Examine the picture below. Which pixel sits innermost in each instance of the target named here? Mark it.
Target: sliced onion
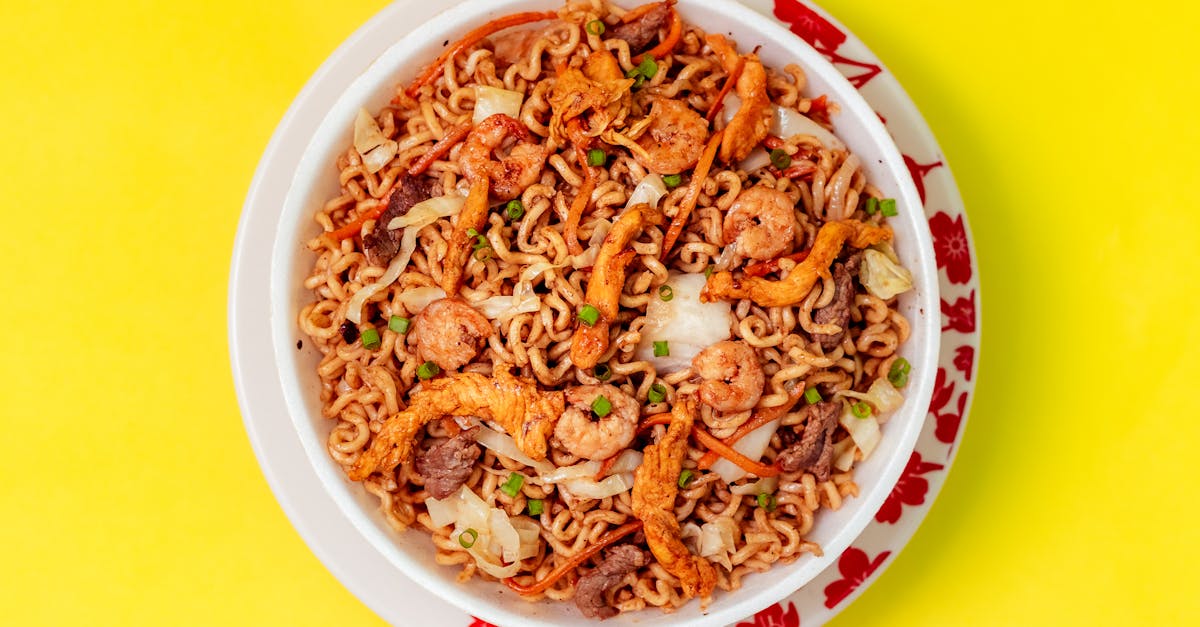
(650, 190)
(752, 445)
(523, 299)
(418, 298)
(370, 142)
(442, 511)
(568, 473)
(787, 123)
(587, 258)
(864, 431)
(627, 462)
(758, 158)
(882, 277)
(503, 444)
(492, 100)
(592, 489)
(881, 395)
(529, 531)
(428, 211)
(717, 540)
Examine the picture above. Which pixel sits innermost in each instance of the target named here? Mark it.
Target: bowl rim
(469, 13)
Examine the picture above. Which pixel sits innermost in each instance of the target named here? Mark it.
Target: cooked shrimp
(449, 332)
(733, 378)
(583, 435)
(517, 405)
(761, 223)
(752, 120)
(796, 285)
(510, 175)
(673, 140)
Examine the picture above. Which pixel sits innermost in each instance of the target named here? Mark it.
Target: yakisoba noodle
(606, 309)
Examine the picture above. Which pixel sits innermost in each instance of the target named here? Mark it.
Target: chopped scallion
(872, 205)
(535, 507)
(399, 324)
(427, 370)
(657, 393)
(467, 538)
(887, 207)
(514, 210)
(596, 156)
(766, 501)
(602, 372)
(708, 272)
(812, 396)
(780, 158)
(898, 374)
(595, 27)
(666, 293)
(601, 406)
(672, 180)
(513, 485)
(861, 410)
(685, 478)
(589, 315)
(662, 349)
(370, 339)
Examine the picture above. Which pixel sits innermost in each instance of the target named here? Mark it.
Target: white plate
(331, 536)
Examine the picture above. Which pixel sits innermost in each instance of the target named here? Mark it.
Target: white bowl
(315, 181)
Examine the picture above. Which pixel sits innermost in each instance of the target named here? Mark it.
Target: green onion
(513, 485)
(812, 396)
(514, 210)
(427, 370)
(589, 315)
(766, 501)
(672, 180)
(467, 538)
(601, 406)
(399, 324)
(709, 271)
(887, 207)
(535, 507)
(898, 375)
(661, 349)
(685, 478)
(780, 158)
(657, 393)
(597, 156)
(872, 205)
(602, 372)
(370, 339)
(666, 293)
(648, 68)
(472, 233)
(861, 410)
(594, 27)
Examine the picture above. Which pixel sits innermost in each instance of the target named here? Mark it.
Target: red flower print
(822, 35)
(950, 244)
(775, 616)
(918, 172)
(960, 316)
(947, 421)
(855, 567)
(909, 490)
(479, 622)
(964, 357)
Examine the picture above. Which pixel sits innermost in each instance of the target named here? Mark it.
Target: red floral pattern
(909, 490)
(964, 358)
(951, 246)
(775, 616)
(948, 421)
(855, 567)
(919, 172)
(960, 315)
(479, 622)
(826, 38)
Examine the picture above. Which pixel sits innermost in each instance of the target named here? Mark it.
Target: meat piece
(838, 310)
(517, 405)
(814, 451)
(589, 591)
(446, 466)
(655, 485)
(641, 32)
(381, 244)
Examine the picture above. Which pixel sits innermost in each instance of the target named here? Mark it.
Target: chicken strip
(655, 485)
(516, 404)
(796, 285)
(750, 123)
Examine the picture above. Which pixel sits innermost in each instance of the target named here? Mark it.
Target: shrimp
(672, 140)
(448, 332)
(750, 123)
(761, 223)
(733, 378)
(597, 439)
(527, 413)
(512, 174)
(796, 285)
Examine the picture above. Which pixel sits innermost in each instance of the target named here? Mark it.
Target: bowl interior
(316, 181)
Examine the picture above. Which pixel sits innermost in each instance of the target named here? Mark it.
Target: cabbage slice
(492, 100)
(686, 324)
(372, 145)
(883, 277)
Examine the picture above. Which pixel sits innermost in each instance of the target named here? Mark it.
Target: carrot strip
(804, 168)
(638, 12)
(724, 450)
(351, 228)
(430, 74)
(574, 561)
(451, 426)
(438, 150)
(668, 43)
(729, 81)
(659, 419)
(579, 205)
(772, 142)
(606, 466)
(693, 193)
(758, 419)
(763, 268)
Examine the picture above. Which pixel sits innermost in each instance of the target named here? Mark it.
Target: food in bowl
(606, 308)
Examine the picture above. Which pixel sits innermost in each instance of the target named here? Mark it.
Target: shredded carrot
(658, 419)
(772, 142)
(818, 110)
(430, 74)
(438, 150)
(579, 205)
(668, 43)
(574, 561)
(606, 466)
(351, 228)
(758, 419)
(763, 268)
(802, 169)
(451, 426)
(729, 81)
(728, 452)
(693, 194)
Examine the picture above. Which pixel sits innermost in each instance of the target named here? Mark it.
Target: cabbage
(765, 485)
(421, 215)
(587, 258)
(685, 323)
(370, 142)
(418, 298)
(579, 480)
(523, 298)
(650, 190)
(612, 485)
(503, 444)
(492, 100)
(752, 445)
(864, 431)
(882, 396)
(882, 277)
(717, 540)
(499, 540)
(843, 454)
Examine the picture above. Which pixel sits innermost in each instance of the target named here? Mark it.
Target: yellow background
(128, 136)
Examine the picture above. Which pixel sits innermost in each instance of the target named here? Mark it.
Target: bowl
(315, 181)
